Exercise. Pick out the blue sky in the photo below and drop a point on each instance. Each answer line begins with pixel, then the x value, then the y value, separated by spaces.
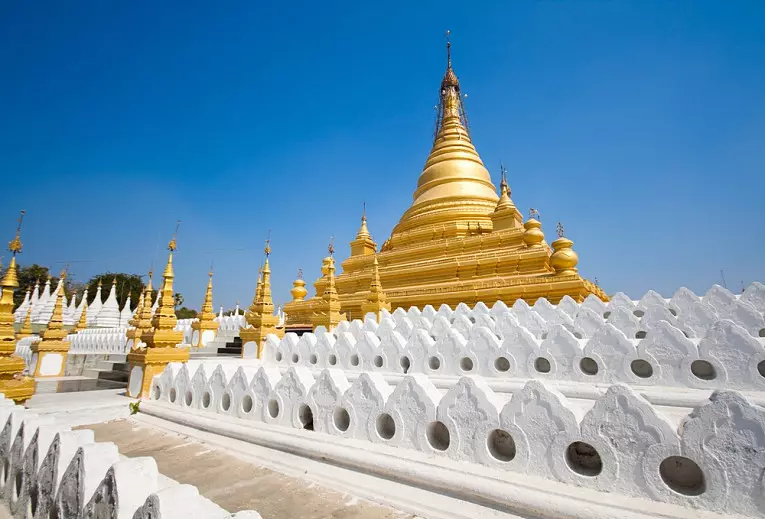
pixel 640 125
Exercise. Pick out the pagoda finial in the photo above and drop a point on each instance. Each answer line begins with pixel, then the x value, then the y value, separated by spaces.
pixel 331 248
pixel 173 246
pixel 267 249
pixel 376 300
pixel 564 259
pixel 503 187
pixel 560 230
pixel 533 213
pixel 15 244
pixel 300 274
pixel 10 279
pixel 448 49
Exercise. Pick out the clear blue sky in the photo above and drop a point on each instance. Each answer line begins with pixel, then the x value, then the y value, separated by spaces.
pixel 639 125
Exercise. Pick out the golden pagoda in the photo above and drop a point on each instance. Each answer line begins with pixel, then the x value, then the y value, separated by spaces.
pixel 13 383
pixel 141 321
pixel 53 350
pixel 206 321
pixel 327 310
pixel 376 300
pixel 161 339
pixel 26 327
pixel 260 317
pixel 82 322
pixel 459 242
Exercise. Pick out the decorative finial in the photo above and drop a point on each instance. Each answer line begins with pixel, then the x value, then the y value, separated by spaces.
pixel 597 284
pixel 503 182
pixel 364 212
pixel 114 281
pixel 300 274
pixel 560 230
pixel 448 49
pixel 210 273
pixel 533 213
pixel 331 247
pixel 267 250
pixel 172 247
pixel 15 245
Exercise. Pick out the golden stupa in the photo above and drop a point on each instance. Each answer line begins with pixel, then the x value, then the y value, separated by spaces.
pixel 459 242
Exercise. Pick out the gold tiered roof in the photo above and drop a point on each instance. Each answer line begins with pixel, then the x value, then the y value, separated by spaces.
pixel 460 241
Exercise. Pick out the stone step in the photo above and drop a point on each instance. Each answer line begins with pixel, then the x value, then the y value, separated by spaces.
pixel 110 365
pixel 107 374
pixel 230 351
pixel 117 357
pixel 232 348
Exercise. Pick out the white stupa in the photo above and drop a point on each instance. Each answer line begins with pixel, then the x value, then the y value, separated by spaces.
pixel 35 293
pixel 94 308
pixel 69 309
pixel 39 307
pixel 155 305
pixel 126 314
pixel 21 311
pixel 46 310
pixel 109 316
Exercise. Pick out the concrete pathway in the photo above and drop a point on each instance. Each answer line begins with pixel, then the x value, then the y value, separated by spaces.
pixel 233 482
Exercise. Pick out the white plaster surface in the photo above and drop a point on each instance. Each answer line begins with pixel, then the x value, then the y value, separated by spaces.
pixel 51 364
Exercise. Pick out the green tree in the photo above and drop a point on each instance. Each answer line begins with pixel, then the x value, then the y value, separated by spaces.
pixel 127 284
pixel 185 313
pixel 177 299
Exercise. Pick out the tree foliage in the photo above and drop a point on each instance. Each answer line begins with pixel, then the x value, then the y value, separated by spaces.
pixel 185 313
pixel 127 284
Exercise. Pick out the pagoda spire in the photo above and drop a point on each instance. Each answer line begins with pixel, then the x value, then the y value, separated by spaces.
pixel 363 245
pixel 327 312
pixel 454 191
pixel 206 326
pixel 260 317
pixel 506 215
pixel 53 345
pixel 142 317
pixel 162 340
pixel 82 322
pixel 163 334
pixel 26 327
pixel 13 384
pixel 376 300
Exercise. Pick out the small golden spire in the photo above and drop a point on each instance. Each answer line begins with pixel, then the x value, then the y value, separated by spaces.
pixel 503 187
pixel 533 235
pixel 26 327
pixel 206 316
pixel 564 259
pixel 82 323
pixel 163 333
pixel 376 300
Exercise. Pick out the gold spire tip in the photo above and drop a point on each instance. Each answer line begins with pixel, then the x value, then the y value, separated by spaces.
pixel 533 213
pixel 172 246
pixel 15 244
pixel 331 247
